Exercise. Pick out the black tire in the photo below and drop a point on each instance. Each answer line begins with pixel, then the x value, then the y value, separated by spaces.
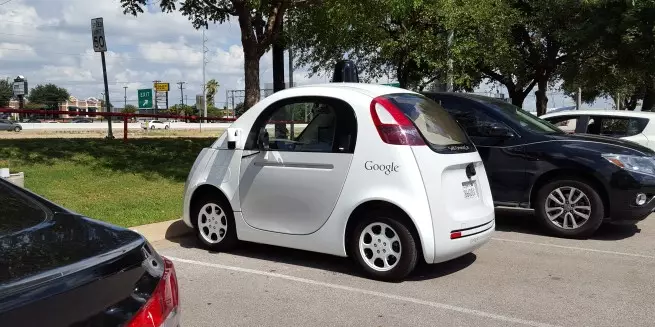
pixel 204 234
pixel 408 247
pixel 166 127
pixel 592 200
pixel 152 127
pixel 17 129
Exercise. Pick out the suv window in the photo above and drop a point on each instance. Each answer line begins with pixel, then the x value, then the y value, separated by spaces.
pixel 307 124
pixel 438 128
pixel 18 212
pixel 565 123
pixel 616 126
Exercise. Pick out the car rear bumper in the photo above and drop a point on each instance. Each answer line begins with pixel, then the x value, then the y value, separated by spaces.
pixel 461 242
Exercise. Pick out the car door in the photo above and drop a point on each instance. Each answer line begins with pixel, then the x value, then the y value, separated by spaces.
pixel 292 172
pixel 4 125
pixel 502 153
pixel 568 123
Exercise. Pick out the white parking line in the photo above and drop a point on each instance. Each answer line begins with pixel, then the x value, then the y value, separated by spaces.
pixel 367 292
pixel 576 248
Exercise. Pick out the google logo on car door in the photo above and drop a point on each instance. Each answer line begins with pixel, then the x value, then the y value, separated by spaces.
pixel 387 169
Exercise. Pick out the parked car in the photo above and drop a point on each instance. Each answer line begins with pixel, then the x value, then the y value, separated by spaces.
pixel 31 120
pixel 380 174
pixel 573 182
pixel 61 269
pixel 155 124
pixel 9 125
pixel 635 126
pixel 82 120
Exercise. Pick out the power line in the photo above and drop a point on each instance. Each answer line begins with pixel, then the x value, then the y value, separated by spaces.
pixel 6 2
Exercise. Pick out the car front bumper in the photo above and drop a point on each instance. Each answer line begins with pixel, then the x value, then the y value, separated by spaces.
pixel 625 188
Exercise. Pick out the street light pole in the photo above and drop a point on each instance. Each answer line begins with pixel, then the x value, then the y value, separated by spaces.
pixel 125 105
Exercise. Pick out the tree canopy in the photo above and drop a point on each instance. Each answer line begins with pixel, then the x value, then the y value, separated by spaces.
pixel 49 95
pixel 6 92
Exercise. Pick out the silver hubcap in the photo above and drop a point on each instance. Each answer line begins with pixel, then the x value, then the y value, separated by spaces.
pixel 212 223
pixel 568 207
pixel 379 246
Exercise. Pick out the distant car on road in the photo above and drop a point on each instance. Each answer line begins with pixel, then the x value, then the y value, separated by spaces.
pixel 635 126
pixel 31 120
pixel 63 269
pixel 8 125
pixel 82 120
pixel 155 124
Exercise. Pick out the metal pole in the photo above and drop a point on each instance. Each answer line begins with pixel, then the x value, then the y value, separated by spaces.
pixel 110 134
pixel 578 100
pixel 125 87
pixel 450 62
pixel 204 77
pixel 154 108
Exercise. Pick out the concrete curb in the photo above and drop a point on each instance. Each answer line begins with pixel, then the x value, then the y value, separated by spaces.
pixel 163 231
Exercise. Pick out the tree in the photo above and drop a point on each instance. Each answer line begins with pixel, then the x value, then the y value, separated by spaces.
pixel 212 88
pixel 6 92
pixel 130 109
pixel 212 111
pixel 406 38
pixel 239 109
pixel 49 95
pixel 260 23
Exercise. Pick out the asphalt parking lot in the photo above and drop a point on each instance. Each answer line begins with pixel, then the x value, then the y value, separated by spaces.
pixel 520 278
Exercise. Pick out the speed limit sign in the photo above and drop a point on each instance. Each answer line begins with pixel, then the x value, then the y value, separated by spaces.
pixel 98 33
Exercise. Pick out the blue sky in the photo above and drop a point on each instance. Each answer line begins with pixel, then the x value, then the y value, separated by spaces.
pixel 50 41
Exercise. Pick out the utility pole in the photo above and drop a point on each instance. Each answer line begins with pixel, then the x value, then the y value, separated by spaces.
pixel 181 84
pixel 154 108
pixel 204 76
pixel 449 86
pixel 125 105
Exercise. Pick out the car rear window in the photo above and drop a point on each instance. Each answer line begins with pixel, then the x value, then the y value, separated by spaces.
pixel 440 131
pixel 17 211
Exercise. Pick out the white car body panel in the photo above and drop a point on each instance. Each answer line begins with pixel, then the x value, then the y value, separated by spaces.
pixel 330 186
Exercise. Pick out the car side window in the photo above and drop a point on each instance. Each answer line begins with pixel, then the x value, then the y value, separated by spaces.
pixel 305 125
pixel 616 126
pixel 475 122
pixel 565 123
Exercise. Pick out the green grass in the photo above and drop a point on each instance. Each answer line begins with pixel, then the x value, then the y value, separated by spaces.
pixel 130 184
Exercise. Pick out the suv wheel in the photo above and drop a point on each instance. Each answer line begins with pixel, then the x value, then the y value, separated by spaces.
pixel 214 223
pixel 383 247
pixel 569 208
pixel 17 129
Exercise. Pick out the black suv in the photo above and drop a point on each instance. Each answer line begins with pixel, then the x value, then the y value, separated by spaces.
pixel 573 182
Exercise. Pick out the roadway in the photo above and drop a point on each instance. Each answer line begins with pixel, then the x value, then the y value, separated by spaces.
pixel 519 278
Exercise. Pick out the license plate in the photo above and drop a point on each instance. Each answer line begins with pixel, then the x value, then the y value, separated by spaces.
pixel 470 192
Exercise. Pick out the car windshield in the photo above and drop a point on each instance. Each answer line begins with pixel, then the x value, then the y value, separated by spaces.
pixel 524 118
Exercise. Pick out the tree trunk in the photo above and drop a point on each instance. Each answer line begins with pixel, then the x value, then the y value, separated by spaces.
pixel 542 99
pixel 649 97
pixel 251 68
pixel 517 97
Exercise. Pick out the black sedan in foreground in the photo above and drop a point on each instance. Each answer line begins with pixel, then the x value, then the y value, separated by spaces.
pixel 573 182
pixel 58 268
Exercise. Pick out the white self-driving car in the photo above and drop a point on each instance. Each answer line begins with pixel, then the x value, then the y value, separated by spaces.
pixel 377 173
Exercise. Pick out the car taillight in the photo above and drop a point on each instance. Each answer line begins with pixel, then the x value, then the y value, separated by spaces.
pixel 392 125
pixel 162 309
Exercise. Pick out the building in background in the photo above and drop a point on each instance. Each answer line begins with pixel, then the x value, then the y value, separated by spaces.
pixel 89 106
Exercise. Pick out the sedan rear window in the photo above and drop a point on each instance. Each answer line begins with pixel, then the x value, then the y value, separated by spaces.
pixel 440 131
pixel 18 212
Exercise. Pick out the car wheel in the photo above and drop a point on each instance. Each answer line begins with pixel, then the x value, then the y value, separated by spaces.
pixel 152 127
pixel 383 247
pixel 166 127
pixel 17 129
pixel 214 224
pixel 569 208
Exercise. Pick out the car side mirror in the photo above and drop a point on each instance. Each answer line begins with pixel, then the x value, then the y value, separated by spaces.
pixel 235 138
pixel 498 131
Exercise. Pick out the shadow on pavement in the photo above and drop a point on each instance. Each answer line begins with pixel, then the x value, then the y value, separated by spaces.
pixel 323 261
pixel 524 222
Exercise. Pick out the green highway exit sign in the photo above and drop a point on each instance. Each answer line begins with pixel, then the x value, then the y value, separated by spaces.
pixel 145 98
